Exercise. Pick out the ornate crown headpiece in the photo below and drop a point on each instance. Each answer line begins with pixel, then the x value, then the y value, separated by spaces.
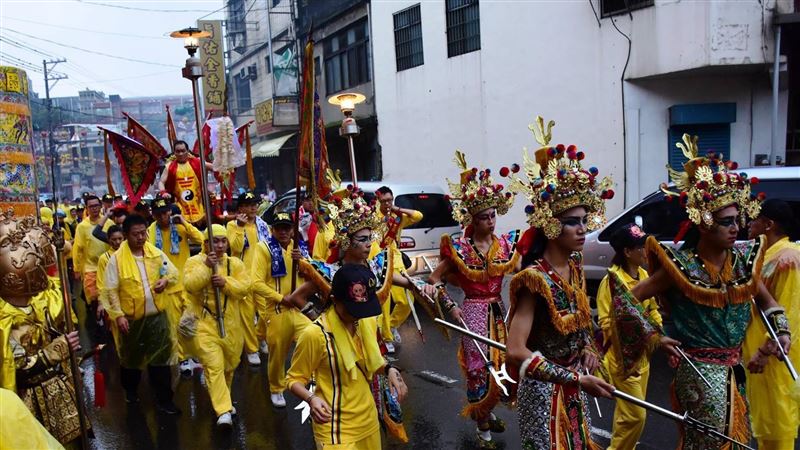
pixel 26 253
pixel 476 192
pixel 706 185
pixel 349 213
pixel 557 182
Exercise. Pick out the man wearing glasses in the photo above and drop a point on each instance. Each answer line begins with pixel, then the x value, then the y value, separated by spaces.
pixel 87 249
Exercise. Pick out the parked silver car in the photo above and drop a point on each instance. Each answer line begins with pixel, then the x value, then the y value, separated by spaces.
pixel 662 219
pixel 419 242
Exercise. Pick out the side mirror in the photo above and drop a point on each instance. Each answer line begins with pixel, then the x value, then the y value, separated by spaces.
pixel 639 222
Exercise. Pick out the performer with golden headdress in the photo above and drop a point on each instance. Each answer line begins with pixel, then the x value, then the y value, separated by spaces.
pixel 33 349
pixel 550 325
pixel 476 263
pixel 708 285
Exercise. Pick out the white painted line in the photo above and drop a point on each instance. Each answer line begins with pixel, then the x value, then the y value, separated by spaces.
pixel 601 432
pixel 435 376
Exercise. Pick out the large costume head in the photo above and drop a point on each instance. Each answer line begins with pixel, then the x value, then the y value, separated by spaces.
pixel 350 213
pixel 476 192
pixel 556 182
pixel 707 185
pixel 26 256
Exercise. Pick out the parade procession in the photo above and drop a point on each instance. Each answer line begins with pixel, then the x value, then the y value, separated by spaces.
pixel 323 246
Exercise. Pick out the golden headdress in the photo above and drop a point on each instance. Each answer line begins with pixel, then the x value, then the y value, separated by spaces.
pixel 707 185
pixel 556 182
pixel 349 213
pixel 476 192
pixel 26 254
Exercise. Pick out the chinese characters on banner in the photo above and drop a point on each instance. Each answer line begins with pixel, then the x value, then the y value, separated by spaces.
pixel 264 117
pixel 211 58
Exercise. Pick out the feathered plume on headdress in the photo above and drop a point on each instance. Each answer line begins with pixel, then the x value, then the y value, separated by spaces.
pixel 475 192
pixel 706 185
pixel 556 181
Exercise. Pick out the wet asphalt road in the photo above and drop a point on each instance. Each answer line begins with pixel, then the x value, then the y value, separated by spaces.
pixel 431 411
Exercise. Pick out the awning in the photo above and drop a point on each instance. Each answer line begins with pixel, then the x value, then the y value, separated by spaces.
pixel 270 147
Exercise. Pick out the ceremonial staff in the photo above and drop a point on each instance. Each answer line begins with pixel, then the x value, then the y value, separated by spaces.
pixel 774 336
pixel 194 71
pixel 68 325
pixel 685 419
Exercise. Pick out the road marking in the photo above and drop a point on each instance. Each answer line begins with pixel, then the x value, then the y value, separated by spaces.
pixel 601 432
pixel 436 377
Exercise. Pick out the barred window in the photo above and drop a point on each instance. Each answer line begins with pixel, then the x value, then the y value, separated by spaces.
pixel 463 27
pixel 347 58
pixel 408 38
pixel 613 7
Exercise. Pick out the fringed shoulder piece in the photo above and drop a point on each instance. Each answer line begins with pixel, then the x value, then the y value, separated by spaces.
pixel 501 259
pixel 319 274
pixel 688 274
pixel 537 284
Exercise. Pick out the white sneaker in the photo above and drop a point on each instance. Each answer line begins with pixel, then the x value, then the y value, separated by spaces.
pixel 396 336
pixel 253 359
pixel 186 368
pixel 225 420
pixel 389 346
pixel 262 347
pixel 277 400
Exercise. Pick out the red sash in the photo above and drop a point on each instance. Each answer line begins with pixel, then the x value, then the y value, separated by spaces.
pixel 172 171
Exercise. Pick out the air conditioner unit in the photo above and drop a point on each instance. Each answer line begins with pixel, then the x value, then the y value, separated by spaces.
pixel 242 73
pixel 252 71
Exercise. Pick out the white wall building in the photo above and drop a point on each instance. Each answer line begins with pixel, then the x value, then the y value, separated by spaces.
pixel 695 66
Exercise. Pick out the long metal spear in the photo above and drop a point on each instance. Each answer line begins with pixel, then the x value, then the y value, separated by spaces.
pixel 684 419
pixel 774 336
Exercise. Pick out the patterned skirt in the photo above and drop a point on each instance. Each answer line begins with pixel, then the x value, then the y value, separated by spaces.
pixel 487 319
pixel 723 405
pixel 553 417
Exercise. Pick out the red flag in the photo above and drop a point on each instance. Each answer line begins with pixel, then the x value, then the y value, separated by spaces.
pixel 136 163
pixel 313 163
pixel 137 132
pixel 172 136
pixel 206 133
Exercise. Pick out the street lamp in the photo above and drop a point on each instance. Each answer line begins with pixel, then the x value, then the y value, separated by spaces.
pixel 193 71
pixel 347 103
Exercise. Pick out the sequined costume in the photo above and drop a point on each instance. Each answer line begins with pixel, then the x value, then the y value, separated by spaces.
pixel 710 313
pixel 481 279
pixel 553 411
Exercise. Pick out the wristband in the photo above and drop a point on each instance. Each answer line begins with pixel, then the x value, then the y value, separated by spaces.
pixel 777 318
pixel 308 399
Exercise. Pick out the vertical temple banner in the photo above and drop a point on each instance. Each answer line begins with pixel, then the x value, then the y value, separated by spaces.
pixel 264 117
pixel 211 59
pixel 17 177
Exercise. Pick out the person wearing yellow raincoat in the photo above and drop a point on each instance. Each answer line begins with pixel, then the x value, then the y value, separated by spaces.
pixel 244 234
pixel 86 250
pixel 137 281
pixel 272 280
pixel 773 395
pixel 395 219
pixel 115 237
pixel 172 234
pixel 628 243
pixel 16 417
pixel 33 352
pixel 219 356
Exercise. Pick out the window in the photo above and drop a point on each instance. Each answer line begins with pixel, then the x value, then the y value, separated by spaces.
pixel 614 7
pixel 243 102
pixel 236 16
pixel 268 64
pixel 408 38
pixel 712 137
pixel 463 27
pixel 347 58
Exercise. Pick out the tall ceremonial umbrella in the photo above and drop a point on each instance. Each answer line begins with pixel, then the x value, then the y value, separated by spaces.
pixel 193 71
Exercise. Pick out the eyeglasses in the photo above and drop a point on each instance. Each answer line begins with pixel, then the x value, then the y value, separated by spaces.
pixel 575 221
pixel 726 222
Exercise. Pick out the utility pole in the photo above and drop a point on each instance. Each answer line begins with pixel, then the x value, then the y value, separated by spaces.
pixel 48 77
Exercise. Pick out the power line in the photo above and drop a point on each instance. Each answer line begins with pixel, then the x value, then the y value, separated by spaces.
pixel 138 36
pixel 92 51
pixel 133 8
pixel 61 108
pixel 20 62
pixel 25 47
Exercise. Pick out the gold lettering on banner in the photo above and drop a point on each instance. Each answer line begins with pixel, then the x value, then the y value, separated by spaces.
pixel 211 52
pixel 264 117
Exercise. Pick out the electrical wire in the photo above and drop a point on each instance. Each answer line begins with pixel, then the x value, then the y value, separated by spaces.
pixel 21 62
pixel 25 47
pixel 137 36
pixel 92 51
pixel 133 8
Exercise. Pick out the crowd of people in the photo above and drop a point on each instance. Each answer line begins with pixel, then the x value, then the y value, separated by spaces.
pixel 173 289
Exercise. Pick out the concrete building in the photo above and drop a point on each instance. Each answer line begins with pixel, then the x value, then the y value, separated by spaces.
pixel 623 85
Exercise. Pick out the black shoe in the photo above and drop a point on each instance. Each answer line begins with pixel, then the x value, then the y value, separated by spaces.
pixel 169 409
pixel 131 397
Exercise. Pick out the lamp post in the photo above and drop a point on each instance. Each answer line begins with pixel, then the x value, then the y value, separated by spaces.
pixel 193 71
pixel 347 103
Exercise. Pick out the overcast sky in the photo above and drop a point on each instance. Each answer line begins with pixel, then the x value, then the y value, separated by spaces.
pixel 127 29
